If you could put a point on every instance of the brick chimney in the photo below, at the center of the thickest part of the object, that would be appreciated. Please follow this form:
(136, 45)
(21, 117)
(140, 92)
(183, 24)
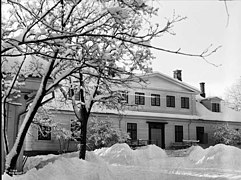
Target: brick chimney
(178, 75)
(202, 88)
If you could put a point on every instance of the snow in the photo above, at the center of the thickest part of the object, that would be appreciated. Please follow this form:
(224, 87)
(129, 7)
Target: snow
(219, 156)
(122, 154)
(149, 162)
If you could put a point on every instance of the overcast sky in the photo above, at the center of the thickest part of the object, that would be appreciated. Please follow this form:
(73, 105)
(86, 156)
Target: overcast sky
(205, 24)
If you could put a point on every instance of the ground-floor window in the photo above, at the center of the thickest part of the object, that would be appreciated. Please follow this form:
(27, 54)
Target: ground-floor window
(44, 132)
(132, 130)
(200, 134)
(75, 128)
(178, 133)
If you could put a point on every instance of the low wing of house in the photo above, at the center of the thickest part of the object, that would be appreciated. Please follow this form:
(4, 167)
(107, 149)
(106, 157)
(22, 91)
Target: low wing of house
(225, 113)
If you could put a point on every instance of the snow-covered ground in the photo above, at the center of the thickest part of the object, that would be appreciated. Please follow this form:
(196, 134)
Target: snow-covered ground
(120, 162)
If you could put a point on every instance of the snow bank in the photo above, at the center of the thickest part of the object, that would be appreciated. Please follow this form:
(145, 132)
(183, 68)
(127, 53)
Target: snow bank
(117, 154)
(42, 160)
(218, 156)
(122, 154)
(69, 168)
(147, 163)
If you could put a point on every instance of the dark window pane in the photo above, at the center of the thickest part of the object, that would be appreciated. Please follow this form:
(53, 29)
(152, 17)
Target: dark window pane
(132, 130)
(77, 96)
(170, 101)
(155, 99)
(215, 107)
(125, 97)
(139, 98)
(185, 102)
(178, 133)
(44, 132)
(75, 129)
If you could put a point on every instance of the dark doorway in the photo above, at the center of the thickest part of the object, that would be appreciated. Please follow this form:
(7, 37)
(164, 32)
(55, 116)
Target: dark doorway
(157, 134)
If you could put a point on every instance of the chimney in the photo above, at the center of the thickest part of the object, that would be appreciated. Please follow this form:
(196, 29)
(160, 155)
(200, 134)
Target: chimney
(202, 87)
(178, 75)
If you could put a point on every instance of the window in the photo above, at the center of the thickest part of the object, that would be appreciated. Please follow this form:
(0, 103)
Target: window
(75, 129)
(185, 102)
(170, 101)
(132, 130)
(139, 98)
(75, 93)
(215, 107)
(178, 133)
(44, 132)
(155, 99)
(124, 97)
(200, 134)
(77, 96)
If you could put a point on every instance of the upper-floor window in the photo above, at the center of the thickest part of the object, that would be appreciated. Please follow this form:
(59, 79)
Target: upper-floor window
(185, 102)
(124, 97)
(132, 130)
(170, 101)
(215, 107)
(44, 132)
(155, 99)
(140, 98)
(75, 94)
(178, 133)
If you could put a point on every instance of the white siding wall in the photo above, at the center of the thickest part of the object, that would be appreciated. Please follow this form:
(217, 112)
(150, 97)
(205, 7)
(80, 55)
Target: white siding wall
(33, 144)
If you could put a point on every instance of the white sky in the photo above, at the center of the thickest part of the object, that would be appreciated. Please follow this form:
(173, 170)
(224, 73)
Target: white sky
(205, 24)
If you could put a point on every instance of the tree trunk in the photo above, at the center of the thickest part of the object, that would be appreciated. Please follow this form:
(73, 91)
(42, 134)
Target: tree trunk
(12, 157)
(85, 117)
(83, 139)
(4, 127)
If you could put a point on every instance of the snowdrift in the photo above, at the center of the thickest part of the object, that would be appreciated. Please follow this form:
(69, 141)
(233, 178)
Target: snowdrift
(122, 154)
(218, 156)
(150, 162)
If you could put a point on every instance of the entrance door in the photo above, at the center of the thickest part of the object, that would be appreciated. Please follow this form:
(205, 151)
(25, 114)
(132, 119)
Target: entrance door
(156, 134)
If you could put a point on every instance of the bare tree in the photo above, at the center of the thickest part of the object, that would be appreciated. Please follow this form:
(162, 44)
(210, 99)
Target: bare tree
(233, 96)
(94, 41)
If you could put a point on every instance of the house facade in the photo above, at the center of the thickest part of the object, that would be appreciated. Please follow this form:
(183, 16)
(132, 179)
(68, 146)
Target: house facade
(164, 111)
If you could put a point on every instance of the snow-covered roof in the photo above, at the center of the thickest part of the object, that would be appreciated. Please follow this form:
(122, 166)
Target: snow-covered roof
(147, 114)
(103, 110)
(212, 97)
(227, 114)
